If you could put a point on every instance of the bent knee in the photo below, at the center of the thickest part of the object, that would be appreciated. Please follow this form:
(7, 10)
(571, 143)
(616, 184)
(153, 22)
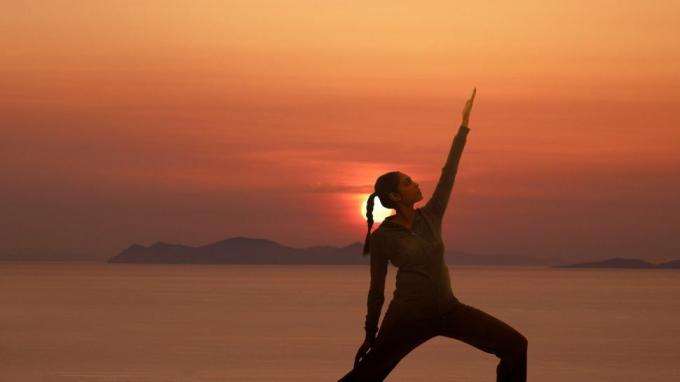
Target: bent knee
(515, 346)
(521, 343)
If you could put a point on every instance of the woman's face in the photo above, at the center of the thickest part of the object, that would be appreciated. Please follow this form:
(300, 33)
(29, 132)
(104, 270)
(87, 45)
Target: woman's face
(408, 189)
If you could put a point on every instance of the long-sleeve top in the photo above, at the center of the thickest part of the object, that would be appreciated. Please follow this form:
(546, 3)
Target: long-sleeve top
(422, 276)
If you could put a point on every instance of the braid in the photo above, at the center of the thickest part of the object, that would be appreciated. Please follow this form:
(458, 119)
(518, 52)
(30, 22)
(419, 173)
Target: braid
(369, 217)
(386, 183)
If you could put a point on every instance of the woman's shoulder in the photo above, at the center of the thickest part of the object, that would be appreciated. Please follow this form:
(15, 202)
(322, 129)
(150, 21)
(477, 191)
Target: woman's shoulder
(380, 236)
(425, 212)
(385, 237)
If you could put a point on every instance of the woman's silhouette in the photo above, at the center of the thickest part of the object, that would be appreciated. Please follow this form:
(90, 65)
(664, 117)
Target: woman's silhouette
(423, 305)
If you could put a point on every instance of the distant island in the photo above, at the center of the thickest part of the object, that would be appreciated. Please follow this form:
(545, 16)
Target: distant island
(244, 250)
(620, 262)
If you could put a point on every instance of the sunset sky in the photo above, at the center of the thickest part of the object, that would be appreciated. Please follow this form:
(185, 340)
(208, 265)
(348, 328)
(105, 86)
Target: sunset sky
(195, 121)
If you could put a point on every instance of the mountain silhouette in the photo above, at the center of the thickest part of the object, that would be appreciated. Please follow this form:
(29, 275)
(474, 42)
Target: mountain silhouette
(244, 250)
(240, 250)
(620, 262)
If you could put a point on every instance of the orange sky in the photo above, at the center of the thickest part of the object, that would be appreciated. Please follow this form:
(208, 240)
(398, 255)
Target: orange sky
(196, 121)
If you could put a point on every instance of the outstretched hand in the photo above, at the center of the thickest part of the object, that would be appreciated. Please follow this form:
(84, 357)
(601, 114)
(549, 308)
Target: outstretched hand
(468, 108)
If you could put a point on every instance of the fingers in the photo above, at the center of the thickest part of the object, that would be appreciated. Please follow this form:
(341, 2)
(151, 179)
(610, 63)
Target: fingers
(358, 357)
(361, 354)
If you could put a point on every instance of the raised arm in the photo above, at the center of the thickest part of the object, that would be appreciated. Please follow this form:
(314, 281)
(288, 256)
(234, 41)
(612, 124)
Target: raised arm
(440, 197)
(376, 292)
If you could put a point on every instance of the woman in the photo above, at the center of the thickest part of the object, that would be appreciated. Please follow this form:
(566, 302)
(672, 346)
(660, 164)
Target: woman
(423, 305)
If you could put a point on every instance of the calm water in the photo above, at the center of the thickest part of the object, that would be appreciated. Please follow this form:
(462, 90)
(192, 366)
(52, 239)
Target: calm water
(116, 322)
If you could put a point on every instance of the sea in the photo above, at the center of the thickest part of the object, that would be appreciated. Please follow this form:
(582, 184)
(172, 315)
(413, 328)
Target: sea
(100, 322)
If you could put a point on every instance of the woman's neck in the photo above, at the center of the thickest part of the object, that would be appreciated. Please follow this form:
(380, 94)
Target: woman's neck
(405, 217)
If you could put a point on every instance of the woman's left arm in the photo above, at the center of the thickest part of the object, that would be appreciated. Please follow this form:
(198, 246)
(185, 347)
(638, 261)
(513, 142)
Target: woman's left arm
(440, 197)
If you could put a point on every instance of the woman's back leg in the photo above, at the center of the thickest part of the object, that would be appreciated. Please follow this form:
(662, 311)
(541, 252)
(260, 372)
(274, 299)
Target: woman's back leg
(400, 333)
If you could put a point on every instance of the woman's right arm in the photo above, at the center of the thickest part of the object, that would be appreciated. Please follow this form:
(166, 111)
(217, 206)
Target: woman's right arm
(376, 292)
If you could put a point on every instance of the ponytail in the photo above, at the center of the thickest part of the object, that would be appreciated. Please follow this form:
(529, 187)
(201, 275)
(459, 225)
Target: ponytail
(369, 219)
(386, 183)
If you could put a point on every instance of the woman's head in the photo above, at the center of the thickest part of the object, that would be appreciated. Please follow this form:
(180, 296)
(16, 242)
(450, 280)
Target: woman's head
(395, 190)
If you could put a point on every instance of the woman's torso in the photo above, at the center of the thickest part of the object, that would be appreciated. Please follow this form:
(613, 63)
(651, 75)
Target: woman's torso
(418, 253)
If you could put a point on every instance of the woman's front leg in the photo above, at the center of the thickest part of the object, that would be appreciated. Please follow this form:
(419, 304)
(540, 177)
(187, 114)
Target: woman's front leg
(487, 333)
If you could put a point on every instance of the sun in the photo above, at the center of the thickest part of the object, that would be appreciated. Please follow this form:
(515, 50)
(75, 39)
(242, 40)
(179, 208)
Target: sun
(379, 212)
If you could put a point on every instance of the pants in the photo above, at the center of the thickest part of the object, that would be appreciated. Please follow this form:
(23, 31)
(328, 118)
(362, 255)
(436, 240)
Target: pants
(408, 325)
